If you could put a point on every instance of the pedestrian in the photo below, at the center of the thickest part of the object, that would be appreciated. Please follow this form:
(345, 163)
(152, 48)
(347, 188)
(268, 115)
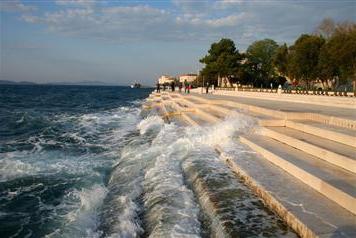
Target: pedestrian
(164, 87)
(172, 86)
(185, 86)
(158, 89)
(189, 87)
(207, 88)
(180, 86)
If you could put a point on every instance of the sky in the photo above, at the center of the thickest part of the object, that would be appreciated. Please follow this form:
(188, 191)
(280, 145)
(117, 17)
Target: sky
(122, 41)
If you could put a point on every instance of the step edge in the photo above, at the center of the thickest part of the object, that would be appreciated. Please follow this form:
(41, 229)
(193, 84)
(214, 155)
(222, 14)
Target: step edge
(268, 199)
(336, 136)
(344, 200)
(330, 156)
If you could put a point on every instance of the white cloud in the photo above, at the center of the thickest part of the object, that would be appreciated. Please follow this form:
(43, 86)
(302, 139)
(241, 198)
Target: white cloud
(15, 6)
(231, 20)
(84, 3)
(244, 21)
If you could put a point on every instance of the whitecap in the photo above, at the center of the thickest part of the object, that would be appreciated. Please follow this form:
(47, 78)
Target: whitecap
(82, 217)
(12, 169)
(149, 124)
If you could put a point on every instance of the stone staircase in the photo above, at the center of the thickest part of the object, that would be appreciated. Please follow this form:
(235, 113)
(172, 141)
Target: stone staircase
(318, 151)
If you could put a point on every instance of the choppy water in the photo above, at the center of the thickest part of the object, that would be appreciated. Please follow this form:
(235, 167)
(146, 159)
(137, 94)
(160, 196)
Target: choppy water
(84, 162)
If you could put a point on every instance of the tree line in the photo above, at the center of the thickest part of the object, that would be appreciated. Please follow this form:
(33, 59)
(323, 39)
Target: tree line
(325, 58)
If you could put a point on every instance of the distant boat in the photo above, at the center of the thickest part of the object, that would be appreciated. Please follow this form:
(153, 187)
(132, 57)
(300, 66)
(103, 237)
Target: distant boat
(136, 85)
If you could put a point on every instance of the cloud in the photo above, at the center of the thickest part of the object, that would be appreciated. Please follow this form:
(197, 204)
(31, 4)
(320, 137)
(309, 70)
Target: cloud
(15, 6)
(244, 21)
(77, 3)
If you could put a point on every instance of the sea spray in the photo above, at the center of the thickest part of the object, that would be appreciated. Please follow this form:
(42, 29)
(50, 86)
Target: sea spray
(83, 219)
(232, 208)
(171, 209)
(123, 206)
(151, 187)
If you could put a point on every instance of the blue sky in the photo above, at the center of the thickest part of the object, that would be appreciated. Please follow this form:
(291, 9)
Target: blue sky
(119, 42)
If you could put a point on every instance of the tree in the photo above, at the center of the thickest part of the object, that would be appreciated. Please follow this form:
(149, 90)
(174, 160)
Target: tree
(222, 60)
(280, 60)
(326, 28)
(342, 48)
(260, 60)
(327, 67)
(304, 58)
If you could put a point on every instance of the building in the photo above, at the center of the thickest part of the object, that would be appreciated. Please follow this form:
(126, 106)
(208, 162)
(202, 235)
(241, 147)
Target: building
(187, 77)
(165, 79)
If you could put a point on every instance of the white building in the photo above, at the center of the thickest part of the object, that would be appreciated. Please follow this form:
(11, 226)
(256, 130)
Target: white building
(187, 77)
(165, 79)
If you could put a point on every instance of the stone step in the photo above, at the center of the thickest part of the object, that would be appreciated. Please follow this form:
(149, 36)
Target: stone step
(333, 182)
(305, 210)
(297, 111)
(333, 152)
(338, 134)
(201, 113)
(223, 111)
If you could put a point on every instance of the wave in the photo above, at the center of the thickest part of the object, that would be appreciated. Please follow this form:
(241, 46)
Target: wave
(11, 169)
(170, 182)
(149, 177)
(81, 210)
(150, 123)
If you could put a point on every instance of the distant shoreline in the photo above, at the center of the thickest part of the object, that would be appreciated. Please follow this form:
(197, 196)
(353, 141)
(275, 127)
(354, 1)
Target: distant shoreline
(25, 83)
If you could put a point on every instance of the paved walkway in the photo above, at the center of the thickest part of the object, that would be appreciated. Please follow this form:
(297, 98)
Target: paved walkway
(287, 106)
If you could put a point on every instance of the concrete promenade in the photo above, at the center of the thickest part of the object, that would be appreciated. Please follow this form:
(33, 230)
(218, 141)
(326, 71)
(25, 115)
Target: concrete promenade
(304, 168)
(331, 100)
(347, 113)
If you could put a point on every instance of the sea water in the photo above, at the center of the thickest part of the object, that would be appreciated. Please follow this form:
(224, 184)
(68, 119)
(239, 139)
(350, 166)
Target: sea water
(87, 162)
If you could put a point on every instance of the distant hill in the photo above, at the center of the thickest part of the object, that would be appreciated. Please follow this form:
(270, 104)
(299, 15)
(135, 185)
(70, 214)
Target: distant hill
(80, 83)
(16, 83)
(94, 83)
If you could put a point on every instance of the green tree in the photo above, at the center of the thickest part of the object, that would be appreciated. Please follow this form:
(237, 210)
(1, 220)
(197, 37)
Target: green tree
(342, 49)
(327, 67)
(223, 59)
(280, 60)
(260, 60)
(304, 58)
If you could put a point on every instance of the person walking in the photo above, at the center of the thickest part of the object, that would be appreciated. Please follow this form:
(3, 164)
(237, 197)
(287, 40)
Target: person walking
(189, 87)
(158, 87)
(185, 86)
(172, 86)
(180, 86)
(207, 88)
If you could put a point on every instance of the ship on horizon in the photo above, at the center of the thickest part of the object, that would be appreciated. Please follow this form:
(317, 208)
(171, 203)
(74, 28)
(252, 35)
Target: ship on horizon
(136, 85)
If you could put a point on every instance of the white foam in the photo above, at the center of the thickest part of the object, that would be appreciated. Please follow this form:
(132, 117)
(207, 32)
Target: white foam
(127, 226)
(222, 132)
(82, 209)
(170, 207)
(166, 196)
(150, 123)
(12, 168)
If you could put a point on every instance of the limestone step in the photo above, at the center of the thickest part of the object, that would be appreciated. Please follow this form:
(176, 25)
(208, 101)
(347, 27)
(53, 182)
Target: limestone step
(205, 115)
(307, 211)
(223, 111)
(291, 111)
(333, 182)
(193, 119)
(338, 134)
(333, 152)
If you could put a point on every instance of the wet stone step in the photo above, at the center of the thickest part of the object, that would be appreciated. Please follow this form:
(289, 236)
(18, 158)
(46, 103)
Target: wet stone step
(231, 207)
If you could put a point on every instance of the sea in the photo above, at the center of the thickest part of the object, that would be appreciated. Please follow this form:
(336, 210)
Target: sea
(88, 161)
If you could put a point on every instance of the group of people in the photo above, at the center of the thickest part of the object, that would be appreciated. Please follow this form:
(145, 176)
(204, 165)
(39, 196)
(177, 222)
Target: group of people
(187, 87)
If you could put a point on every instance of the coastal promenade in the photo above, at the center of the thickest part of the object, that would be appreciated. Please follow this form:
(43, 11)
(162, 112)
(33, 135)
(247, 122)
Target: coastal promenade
(304, 168)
